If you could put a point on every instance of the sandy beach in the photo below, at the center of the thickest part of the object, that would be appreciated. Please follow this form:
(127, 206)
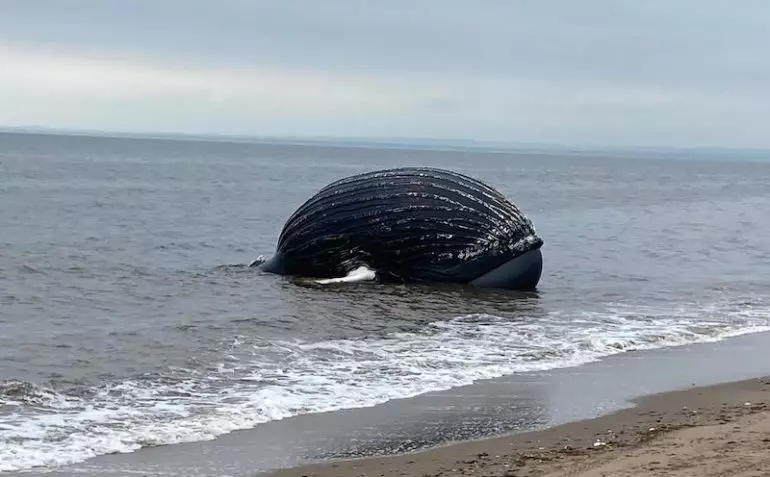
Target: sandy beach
(720, 430)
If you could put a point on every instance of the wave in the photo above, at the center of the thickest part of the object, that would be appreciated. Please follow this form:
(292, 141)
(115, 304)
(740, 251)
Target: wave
(260, 381)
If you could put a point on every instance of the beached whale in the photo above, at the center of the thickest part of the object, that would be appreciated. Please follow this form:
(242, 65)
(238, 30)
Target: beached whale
(410, 225)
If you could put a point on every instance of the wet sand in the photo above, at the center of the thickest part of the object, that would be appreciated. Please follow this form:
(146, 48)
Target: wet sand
(719, 430)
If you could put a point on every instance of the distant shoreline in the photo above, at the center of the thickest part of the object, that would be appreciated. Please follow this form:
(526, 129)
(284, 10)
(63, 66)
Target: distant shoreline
(460, 145)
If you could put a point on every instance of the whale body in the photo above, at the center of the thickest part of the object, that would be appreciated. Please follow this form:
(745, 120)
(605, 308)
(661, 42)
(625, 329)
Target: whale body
(412, 224)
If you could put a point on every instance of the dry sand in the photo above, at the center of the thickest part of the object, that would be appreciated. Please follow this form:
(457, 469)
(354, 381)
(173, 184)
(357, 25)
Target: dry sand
(721, 430)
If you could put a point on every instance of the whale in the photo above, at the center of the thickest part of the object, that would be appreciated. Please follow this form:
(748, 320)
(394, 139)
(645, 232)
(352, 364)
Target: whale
(410, 225)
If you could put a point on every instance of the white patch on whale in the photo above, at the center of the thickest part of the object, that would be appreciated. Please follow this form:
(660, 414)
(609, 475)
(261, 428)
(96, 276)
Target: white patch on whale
(258, 261)
(360, 274)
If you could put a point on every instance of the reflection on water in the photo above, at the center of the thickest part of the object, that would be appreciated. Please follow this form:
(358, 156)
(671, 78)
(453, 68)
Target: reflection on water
(371, 307)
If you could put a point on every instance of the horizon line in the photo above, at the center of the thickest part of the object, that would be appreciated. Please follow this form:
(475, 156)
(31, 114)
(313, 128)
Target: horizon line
(371, 141)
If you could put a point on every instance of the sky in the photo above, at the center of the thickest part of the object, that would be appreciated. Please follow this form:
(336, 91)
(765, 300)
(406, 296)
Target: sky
(614, 72)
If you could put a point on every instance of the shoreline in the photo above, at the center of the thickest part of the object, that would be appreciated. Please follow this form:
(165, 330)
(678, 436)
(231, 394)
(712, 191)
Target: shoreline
(685, 432)
(522, 404)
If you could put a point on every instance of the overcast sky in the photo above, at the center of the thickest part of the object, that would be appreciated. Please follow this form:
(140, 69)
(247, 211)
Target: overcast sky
(614, 72)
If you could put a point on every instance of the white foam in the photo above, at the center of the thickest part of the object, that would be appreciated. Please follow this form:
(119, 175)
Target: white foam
(303, 377)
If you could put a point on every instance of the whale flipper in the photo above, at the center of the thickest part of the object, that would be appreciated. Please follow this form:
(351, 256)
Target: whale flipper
(360, 274)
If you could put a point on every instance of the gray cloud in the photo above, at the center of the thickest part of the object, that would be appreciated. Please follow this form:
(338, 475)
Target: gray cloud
(690, 71)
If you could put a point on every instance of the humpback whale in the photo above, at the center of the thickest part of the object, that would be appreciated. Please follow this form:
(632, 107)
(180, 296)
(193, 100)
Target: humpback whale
(410, 224)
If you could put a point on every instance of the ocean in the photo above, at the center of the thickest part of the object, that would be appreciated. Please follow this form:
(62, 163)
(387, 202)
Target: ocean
(129, 317)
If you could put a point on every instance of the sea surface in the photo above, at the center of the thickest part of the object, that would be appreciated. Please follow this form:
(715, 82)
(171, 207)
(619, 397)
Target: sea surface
(129, 316)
